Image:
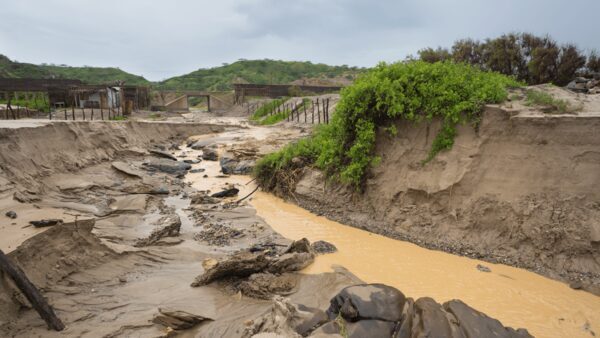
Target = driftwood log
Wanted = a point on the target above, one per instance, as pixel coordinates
(31, 292)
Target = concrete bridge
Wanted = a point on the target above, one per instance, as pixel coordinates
(174, 100)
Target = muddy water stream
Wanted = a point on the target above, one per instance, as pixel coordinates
(516, 297)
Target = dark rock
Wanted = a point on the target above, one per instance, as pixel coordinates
(576, 285)
(322, 247)
(191, 161)
(199, 145)
(406, 322)
(162, 154)
(231, 165)
(226, 193)
(301, 245)
(368, 301)
(483, 268)
(199, 170)
(370, 328)
(241, 264)
(168, 166)
(430, 320)
(473, 323)
(159, 191)
(46, 223)
(210, 154)
(309, 323)
(177, 320)
(203, 198)
(11, 214)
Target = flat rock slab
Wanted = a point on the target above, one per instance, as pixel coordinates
(167, 166)
(177, 320)
(162, 154)
(128, 169)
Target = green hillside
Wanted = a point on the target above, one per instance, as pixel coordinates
(259, 71)
(217, 78)
(90, 75)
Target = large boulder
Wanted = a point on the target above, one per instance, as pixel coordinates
(233, 166)
(167, 166)
(377, 310)
(210, 154)
(368, 301)
(476, 324)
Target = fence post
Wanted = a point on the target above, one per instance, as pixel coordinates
(313, 111)
(73, 107)
(304, 107)
(318, 112)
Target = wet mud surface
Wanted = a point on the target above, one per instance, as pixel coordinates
(139, 230)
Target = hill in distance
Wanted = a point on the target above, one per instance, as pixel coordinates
(210, 79)
(262, 72)
(90, 75)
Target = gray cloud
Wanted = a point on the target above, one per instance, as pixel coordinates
(179, 36)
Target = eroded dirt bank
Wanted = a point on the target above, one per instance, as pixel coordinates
(148, 225)
(520, 190)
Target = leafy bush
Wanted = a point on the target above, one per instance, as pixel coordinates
(39, 104)
(414, 91)
(529, 58)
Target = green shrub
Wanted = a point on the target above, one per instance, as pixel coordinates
(414, 91)
(539, 98)
(267, 108)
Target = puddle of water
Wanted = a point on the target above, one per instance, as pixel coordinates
(516, 297)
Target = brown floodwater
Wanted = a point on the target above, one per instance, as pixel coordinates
(516, 297)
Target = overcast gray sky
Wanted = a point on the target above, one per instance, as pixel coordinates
(173, 37)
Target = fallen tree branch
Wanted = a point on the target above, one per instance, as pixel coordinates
(243, 198)
(31, 292)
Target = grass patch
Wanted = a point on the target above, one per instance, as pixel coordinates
(414, 91)
(272, 119)
(267, 108)
(118, 118)
(539, 98)
(35, 104)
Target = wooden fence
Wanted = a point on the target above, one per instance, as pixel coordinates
(73, 114)
(314, 111)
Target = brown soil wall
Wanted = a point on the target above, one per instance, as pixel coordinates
(31, 152)
(519, 190)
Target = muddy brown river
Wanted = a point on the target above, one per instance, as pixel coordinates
(516, 297)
